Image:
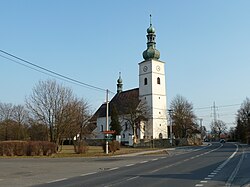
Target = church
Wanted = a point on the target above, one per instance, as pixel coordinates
(142, 112)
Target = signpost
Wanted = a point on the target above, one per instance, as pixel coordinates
(108, 137)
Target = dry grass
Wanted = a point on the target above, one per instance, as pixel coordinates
(93, 151)
(96, 151)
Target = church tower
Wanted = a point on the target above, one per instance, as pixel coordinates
(152, 88)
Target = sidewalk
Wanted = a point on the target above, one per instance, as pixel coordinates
(168, 151)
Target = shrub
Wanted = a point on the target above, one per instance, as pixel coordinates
(20, 148)
(49, 148)
(13, 148)
(24, 148)
(81, 147)
(113, 146)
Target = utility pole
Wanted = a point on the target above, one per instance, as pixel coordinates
(171, 126)
(201, 127)
(201, 122)
(214, 113)
(107, 120)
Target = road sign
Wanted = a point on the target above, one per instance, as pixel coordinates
(108, 132)
(107, 137)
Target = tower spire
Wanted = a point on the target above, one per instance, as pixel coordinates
(151, 52)
(119, 83)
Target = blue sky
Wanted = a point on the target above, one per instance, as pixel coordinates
(205, 44)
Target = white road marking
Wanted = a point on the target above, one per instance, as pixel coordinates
(113, 169)
(132, 178)
(217, 170)
(144, 162)
(85, 174)
(154, 159)
(234, 173)
(129, 165)
(57, 180)
(154, 170)
(199, 185)
(203, 181)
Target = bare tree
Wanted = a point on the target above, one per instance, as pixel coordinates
(6, 111)
(218, 127)
(75, 121)
(20, 116)
(37, 131)
(243, 122)
(13, 122)
(135, 111)
(183, 117)
(47, 106)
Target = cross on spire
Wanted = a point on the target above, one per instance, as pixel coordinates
(150, 20)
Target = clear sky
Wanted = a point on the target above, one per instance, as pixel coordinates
(205, 44)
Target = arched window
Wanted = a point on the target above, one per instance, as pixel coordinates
(160, 136)
(145, 81)
(126, 126)
(158, 80)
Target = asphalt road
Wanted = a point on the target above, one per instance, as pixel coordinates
(216, 165)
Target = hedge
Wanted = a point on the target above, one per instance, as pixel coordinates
(27, 148)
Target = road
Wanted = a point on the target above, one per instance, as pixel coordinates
(215, 165)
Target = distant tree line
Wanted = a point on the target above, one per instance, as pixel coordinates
(51, 113)
(242, 130)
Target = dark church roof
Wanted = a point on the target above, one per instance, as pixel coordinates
(120, 102)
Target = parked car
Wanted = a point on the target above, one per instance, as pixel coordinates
(222, 141)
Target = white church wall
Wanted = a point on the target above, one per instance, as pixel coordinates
(101, 126)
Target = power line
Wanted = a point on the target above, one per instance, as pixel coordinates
(49, 72)
(220, 106)
(202, 108)
(36, 69)
(223, 106)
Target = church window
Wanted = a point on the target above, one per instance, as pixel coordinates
(160, 136)
(126, 126)
(101, 128)
(158, 80)
(145, 81)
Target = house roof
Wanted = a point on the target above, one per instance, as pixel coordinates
(120, 101)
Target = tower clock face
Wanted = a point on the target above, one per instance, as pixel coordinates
(145, 68)
(158, 68)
